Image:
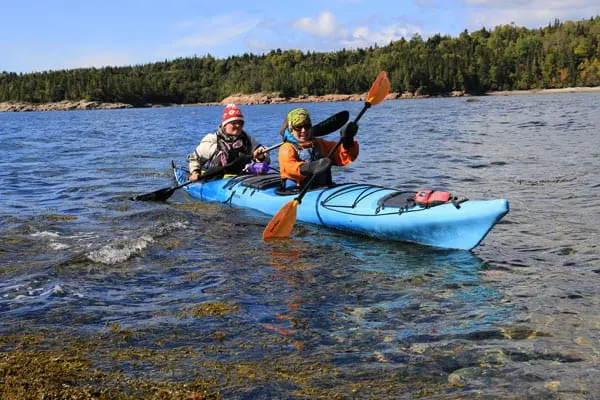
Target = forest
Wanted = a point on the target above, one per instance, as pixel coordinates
(507, 57)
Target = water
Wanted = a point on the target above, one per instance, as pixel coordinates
(515, 318)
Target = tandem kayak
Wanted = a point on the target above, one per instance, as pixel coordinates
(370, 210)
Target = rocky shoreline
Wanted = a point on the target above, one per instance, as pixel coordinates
(243, 99)
(546, 91)
(65, 105)
(261, 98)
(274, 98)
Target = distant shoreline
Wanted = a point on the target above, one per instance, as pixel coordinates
(581, 89)
(261, 98)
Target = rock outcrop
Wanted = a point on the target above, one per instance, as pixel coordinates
(274, 98)
(64, 105)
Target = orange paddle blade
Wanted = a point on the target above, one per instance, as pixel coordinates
(380, 89)
(282, 223)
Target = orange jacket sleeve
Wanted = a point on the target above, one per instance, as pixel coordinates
(289, 166)
(341, 155)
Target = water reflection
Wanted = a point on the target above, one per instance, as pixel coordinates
(373, 296)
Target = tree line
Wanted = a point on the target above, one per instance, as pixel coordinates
(508, 57)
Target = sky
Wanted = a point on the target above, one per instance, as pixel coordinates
(42, 35)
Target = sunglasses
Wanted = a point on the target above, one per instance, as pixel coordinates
(300, 127)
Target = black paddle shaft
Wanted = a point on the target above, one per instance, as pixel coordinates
(164, 194)
(161, 194)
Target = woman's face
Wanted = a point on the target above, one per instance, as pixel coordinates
(302, 132)
(233, 128)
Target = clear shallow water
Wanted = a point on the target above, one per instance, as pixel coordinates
(512, 318)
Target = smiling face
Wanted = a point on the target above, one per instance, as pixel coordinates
(299, 124)
(302, 132)
(234, 128)
(232, 121)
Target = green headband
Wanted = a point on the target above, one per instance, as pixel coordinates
(298, 117)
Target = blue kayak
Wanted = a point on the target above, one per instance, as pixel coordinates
(364, 209)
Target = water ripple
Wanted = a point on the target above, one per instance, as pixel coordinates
(75, 252)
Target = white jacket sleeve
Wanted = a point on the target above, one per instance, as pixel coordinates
(203, 152)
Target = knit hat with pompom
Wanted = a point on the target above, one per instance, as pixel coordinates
(231, 113)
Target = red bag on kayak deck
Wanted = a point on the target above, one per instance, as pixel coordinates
(428, 198)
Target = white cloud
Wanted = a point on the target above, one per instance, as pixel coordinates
(325, 25)
(364, 37)
(215, 31)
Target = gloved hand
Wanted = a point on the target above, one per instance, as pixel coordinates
(347, 134)
(315, 167)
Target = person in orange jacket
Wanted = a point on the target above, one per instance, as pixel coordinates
(302, 156)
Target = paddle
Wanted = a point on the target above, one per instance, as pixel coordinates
(331, 124)
(323, 128)
(282, 223)
(164, 194)
(159, 195)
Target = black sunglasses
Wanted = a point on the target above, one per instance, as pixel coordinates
(300, 127)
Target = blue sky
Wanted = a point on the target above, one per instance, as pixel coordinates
(51, 35)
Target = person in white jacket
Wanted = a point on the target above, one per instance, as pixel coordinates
(229, 146)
